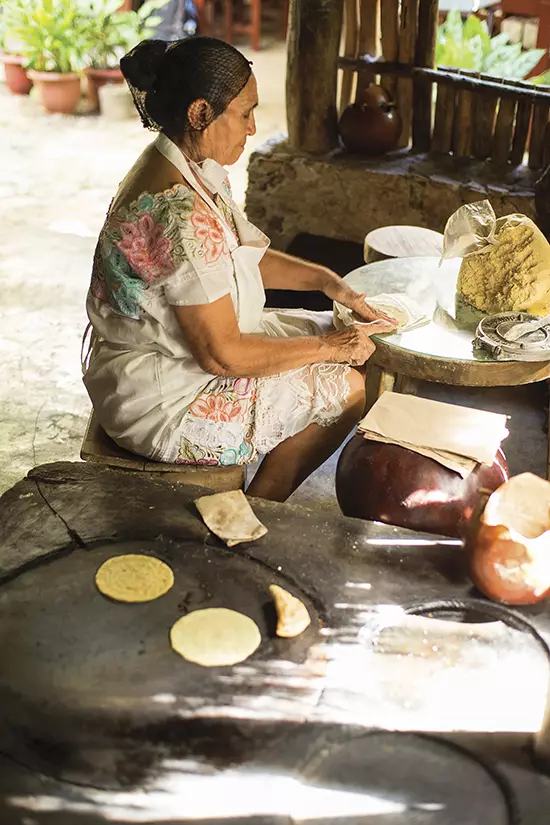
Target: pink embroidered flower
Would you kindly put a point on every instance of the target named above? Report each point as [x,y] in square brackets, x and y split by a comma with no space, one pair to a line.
[208,231]
[146,249]
[216,407]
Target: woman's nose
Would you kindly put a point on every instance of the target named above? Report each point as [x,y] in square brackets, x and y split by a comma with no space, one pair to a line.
[251,125]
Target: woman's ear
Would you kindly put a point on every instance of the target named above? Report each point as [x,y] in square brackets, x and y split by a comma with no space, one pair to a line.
[199,114]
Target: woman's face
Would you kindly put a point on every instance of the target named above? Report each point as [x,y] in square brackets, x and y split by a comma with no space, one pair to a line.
[224,140]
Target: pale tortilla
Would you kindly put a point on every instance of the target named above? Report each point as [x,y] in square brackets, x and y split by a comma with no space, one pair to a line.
[230,516]
[134,578]
[215,637]
[292,614]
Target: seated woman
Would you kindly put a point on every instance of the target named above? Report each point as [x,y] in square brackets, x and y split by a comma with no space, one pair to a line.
[186,365]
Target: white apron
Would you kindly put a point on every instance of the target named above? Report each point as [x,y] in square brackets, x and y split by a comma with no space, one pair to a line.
[141,391]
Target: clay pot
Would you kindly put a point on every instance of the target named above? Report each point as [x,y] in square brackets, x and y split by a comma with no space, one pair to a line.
[372,125]
[95,78]
[59,92]
[387,483]
[17,79]
[509,546]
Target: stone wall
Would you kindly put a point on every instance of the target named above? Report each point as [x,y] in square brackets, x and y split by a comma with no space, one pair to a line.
[344,197]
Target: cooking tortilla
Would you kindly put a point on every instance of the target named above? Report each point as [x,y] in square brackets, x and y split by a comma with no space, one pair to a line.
[230,516]
[215,637]
[292,614]
[134,578]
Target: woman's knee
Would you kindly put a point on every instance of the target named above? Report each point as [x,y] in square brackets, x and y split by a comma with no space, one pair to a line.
[356,381]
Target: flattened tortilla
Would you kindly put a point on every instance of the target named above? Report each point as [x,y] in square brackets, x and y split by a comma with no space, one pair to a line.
[292,614]
[215,637]
[134,578]
[230,516]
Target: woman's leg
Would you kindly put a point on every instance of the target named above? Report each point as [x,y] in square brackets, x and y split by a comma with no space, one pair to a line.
[293,460]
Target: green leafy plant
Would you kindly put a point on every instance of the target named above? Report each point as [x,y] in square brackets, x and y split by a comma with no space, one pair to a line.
[468,45]
[51,34]
[11,12]
[112,33]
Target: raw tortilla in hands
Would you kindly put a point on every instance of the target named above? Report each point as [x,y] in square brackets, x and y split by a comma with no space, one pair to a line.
[230,516]
[404,309]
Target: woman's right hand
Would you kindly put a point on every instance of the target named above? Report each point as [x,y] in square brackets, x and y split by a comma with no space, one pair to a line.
[354,346]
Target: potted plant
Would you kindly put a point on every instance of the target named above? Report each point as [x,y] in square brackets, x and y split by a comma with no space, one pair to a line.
[112,32]
[17,80]
[54,39]
[468,45]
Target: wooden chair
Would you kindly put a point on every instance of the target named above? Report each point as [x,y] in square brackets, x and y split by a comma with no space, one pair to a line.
[98,448]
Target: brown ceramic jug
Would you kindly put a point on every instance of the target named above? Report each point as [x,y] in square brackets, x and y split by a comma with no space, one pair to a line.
[372,125]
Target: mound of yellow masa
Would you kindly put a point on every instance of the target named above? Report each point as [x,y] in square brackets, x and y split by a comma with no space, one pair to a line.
[512,270]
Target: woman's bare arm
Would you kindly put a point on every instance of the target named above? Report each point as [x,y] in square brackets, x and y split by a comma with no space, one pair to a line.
[282,271]
[220,348]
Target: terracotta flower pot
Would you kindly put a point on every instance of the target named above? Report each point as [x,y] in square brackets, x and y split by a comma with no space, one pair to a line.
[95,78]
[17,79]
[59,92]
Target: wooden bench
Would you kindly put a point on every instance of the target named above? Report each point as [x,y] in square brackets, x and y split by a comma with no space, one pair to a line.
[99,448]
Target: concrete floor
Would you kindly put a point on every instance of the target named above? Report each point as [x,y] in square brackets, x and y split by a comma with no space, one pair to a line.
[57,176]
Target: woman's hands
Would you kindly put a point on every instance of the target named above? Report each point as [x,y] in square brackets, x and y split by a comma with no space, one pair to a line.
[353,345]
[356,301]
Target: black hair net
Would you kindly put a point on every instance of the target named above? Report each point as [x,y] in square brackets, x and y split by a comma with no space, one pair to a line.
[166,77]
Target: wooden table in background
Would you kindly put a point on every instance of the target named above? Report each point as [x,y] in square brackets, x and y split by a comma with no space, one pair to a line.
[441,351]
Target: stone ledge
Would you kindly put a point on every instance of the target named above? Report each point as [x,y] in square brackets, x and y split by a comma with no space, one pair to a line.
[343,197]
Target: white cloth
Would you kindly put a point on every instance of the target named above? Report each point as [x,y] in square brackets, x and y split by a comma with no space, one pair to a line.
[398,305]
[142,377]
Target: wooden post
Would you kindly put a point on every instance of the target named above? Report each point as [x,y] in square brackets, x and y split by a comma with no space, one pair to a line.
[464,118]
[351,32]
[504,128]
[538,131]
[546,148]
[311,81]
[423,89]
[389,23]
[407,45]
[485,110]
[521,133]
[369,39]
[442,140]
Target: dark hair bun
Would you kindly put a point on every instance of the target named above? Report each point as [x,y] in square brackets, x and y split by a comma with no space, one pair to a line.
[142,65]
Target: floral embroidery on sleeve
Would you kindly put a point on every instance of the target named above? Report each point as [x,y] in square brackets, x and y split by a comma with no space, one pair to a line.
[208,232]
[146,248]
[150,240]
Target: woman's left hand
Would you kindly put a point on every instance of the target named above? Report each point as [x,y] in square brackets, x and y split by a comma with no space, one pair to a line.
[356,301]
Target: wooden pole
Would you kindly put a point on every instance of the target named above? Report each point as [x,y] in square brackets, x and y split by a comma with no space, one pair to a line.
[538,131]
[389,24]
[369,39]
[463,125]
[504,129]
[442,140]
[351,32]
[521,132]
[428,13]
[311,78]
[407,46]
[546,148]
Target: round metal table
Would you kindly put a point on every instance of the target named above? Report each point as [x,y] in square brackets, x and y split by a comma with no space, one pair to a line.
[441,351]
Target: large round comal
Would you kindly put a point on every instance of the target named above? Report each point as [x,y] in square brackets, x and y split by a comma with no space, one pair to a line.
[388,483]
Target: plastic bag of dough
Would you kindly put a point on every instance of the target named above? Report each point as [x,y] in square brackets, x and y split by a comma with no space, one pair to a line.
[506,261]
